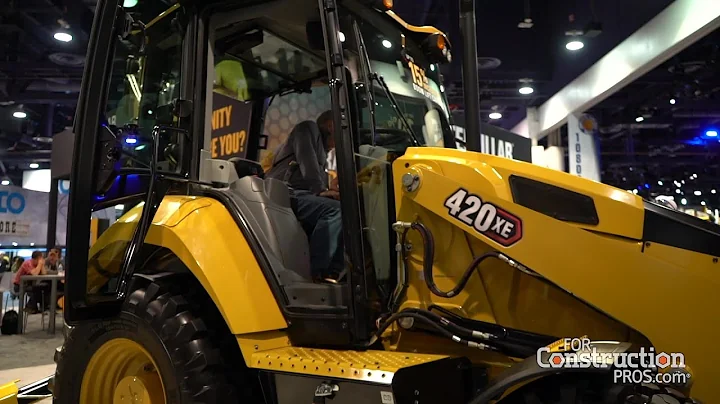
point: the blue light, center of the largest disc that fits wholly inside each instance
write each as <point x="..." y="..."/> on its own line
<point x="711" y="133"/>
<point x="130" y="140"/>
<point x="647" y="186"/>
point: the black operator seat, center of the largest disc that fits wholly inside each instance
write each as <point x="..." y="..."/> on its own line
<point x="265" y="204"/>
<point x="677" y="229"/>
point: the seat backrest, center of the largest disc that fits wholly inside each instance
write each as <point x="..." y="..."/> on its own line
<point x="245" y="167"/>
<point x="265" y="204"/>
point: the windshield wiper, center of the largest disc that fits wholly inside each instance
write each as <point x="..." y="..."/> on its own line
<point x="365" y="67"/>
<point x="395" y="105"/>
<point x="369" y="77"/>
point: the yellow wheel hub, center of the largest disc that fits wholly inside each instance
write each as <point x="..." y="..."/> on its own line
<point x="121" y="371"/>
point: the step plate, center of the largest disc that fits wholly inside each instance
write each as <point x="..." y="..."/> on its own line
<point x="367" y="366"/>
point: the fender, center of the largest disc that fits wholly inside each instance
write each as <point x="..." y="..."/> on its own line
<point x="203" y="235"/>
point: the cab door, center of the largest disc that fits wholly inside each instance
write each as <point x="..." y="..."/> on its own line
<point x="129" y="137"/>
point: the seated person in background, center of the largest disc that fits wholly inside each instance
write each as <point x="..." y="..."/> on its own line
<point x="33" y="266"/>
<point x="17" y="263"/>
<point x="301" y="163"/>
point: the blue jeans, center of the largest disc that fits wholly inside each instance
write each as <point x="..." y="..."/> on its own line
<point x="322" y="221"/>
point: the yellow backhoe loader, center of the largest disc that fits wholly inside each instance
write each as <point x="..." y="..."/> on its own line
<point x="468" y="278"/>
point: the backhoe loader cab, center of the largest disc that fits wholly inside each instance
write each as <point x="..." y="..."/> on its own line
<point x="462" y="270"/>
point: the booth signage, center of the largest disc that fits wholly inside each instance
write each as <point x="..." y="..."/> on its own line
<point x="582" y="150"/>
<point x="230" y="123"/>
<point x="495" y="141"/>
<point x="23" y="216"/>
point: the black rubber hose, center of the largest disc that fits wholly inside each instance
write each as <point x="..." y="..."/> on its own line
<point x="444" y="332"/>
<point x="459" y="330"/>
<point x="429" y="256"/>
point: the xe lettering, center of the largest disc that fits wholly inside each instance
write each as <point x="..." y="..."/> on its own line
<point x="486" y="218"/>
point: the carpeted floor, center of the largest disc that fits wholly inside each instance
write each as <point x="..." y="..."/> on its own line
<point x="29" y="357"/>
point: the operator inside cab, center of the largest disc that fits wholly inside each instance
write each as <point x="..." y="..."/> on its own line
<point x="301" y="162"/>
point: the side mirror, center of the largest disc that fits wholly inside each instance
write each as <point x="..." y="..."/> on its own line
<point x="432" y="130"/>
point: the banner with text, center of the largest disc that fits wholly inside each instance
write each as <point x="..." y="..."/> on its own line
<point x="494" y="140"/>
<point x="230" y="125"/>
<point x="23" y="216"/>
<point x="582" y="150"/>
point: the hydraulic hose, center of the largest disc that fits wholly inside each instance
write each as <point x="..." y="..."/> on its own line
<point x="442" y="330"/>
<point x="459" y="330"/>
<point x="429" y="256"/>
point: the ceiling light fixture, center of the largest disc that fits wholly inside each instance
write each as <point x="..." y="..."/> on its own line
<point x="683" y="201"/>
<point x="574" y="45"/>
<point x="341" y="36"/>
<point x="5" y="182"/>
<point x="432" y="67"/>
<point x="442" y="88"/>
<point x="711" y="133"/>
<point x="130" y="3"/>
<point x="141" y="147"/>
<point x="525" y="90"/>
<point x="386" y="43"/>
<point x="697" y="193"/>
<point x="63" y="37"/>
<point x="639" y="119"/>
<point x="672" y="101"/>
<point x="677" y="191"/>
<point x="703" y="203"/>
<point x="20" y="114"/>
<point x="119" y="207"/>
<point x="660" y="183"/>
<point x="635" y="191"/>
<point x="14" y="244"/>
<point x="712" y="191"/>
<point x="130" y="140"/>
<point x="34" y="165"/>
<point x="495" y="115"/>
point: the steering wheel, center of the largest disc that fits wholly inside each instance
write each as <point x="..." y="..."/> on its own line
<point x="389" y="138"/>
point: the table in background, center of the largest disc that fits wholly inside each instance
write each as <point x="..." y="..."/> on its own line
<point x="53" y="298"/>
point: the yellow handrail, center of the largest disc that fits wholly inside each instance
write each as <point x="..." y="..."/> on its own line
<point x="8" y="393"/>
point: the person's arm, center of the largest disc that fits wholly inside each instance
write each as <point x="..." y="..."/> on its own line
<point x="307" y="160"/>
<point x="39" y="268"/>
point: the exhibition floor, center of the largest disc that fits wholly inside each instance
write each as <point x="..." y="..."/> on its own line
<point x="29" y="357"/>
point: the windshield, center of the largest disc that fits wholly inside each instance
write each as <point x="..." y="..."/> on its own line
<point x="142" y="88"/>
<point x="414" y="84"/>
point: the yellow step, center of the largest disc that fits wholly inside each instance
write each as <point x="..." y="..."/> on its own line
<point x="366" y="366"/>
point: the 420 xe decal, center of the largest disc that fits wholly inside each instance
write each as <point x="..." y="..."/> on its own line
<point x="486" y="218"/>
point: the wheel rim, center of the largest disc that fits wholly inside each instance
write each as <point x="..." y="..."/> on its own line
<point x="121" y="371"/>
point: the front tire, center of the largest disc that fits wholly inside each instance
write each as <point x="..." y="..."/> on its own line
<point x="164" y="346"/>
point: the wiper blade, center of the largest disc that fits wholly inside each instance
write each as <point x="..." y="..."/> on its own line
<point x="365" y="67"/>
<point x="370" y="76"/>
<point x="395" y="105"/>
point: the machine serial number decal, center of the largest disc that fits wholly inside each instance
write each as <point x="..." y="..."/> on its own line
<point x="486" y="218"/>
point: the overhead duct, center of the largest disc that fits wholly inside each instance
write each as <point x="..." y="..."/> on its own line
<point x="44" y="85"/>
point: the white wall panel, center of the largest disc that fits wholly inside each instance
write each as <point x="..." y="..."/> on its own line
<point x="674" y="29"/>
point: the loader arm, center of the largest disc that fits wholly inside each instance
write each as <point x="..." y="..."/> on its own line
<point x="605" y="273"/>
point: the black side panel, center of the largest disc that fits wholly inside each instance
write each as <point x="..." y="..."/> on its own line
<point x="677" y="229"/>
<point x="553" y="201"/>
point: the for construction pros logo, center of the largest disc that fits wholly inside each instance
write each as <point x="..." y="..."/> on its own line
<point x="628" y="367"/>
